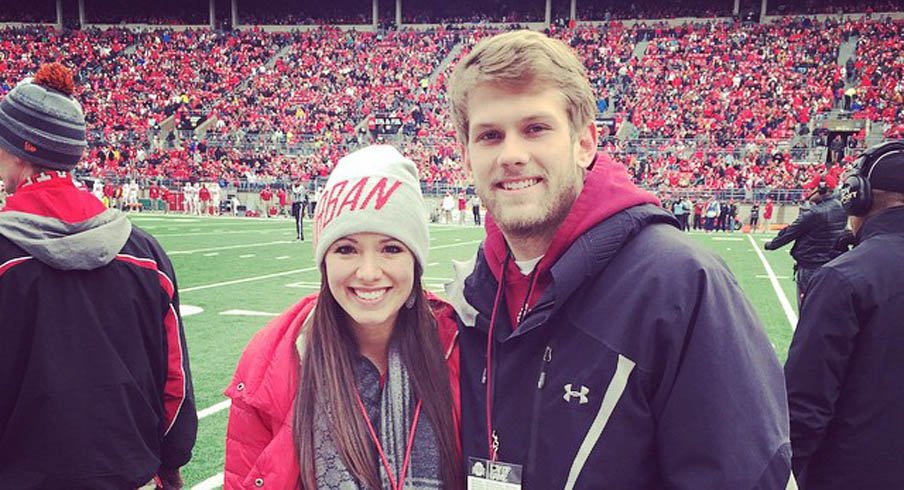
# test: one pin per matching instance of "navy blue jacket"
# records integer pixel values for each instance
(642, 366)
(846, 365)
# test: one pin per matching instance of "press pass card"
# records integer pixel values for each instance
(484, 474)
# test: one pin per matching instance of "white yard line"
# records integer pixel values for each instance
(786, 305)
(247, 313)
(450, 245)
(233, 232)
(219, 407)
(216, 481)
(247, 279)
(229, 247)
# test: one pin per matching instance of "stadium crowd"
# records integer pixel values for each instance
(279, 106)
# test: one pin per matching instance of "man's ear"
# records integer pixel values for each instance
(585, 147)
(465, 159)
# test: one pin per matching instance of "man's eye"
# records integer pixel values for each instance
(488, 135)
(536, 128)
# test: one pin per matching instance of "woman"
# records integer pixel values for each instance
(355, 386)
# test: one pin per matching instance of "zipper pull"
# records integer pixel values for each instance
(495, 445)
(483, 377)
(547, 358)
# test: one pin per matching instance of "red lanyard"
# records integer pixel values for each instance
(376, 439)
(492, 438)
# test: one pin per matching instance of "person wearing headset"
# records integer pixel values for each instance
(814, 233)
(846, 360)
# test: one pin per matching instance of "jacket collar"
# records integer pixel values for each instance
(471, 293)
(887, 221)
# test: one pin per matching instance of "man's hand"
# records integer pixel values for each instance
(769, 246)
(170, 478)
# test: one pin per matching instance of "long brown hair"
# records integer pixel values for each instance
(327, 377)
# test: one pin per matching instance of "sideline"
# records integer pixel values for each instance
(786, 305)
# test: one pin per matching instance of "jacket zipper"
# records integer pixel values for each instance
(535, 415)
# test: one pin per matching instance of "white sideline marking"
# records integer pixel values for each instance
(284, 257)
(189, 310)
(229, 247)
(234, 232)
(212, 254)
(431, 264)
(727, 239)
(473, 242)
(777, 277)
(246, 256)
(247, 313)
(248, 279)
(216, 408)
(786, 305)
(216, 481)
(304, 285)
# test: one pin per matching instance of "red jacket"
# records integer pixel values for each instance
(260, 450)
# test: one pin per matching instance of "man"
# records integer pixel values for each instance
(214, 189)
(448, 205)
(97, 391)
(767, 215)
(585, 362)
(814, 233)
(754, 216)
(299, 204)
(154, 196)
(680, 213)
(266, 195)
(204, 199)
(188, 199)
(846, 360)
(283, 199)
(475, 208)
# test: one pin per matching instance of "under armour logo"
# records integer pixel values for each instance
(582, 394)
(30, 148)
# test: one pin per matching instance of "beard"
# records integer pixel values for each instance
(529, 220)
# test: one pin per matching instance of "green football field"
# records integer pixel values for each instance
(234, 274)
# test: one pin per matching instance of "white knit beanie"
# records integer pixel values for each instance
(373, 190)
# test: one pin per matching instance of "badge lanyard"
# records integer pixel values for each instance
(376, 439)
(492, 438)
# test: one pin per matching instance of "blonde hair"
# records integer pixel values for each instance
(519, 59)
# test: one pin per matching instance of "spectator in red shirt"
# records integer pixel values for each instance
(283, 202)
(266, 196)
(767, 215)
(204, 197)
(154, 196)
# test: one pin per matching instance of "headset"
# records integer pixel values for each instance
(856, 192)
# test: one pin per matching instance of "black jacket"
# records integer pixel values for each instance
(641, 367)
(95, 386)
(815, 233)
(846, 364)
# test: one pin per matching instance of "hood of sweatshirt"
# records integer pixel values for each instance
(61, 225)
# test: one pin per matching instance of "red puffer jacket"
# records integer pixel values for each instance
(260, 450)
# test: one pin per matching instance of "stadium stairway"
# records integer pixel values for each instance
(452, 56)
(640, 49)
(201, 130)
(847, 50)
